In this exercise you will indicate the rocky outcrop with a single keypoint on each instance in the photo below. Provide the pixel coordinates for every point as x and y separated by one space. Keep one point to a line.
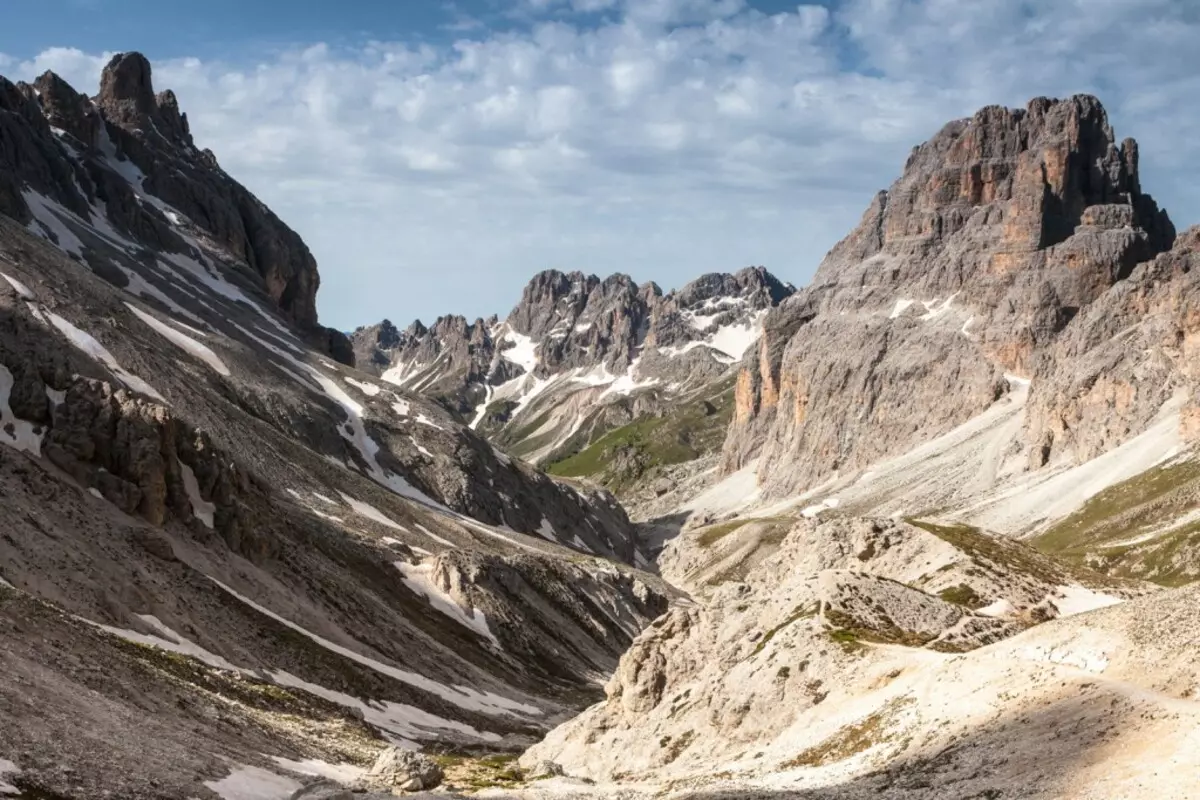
772 660
1001 229
126 160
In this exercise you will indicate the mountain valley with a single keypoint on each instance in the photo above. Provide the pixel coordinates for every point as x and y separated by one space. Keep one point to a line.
926 527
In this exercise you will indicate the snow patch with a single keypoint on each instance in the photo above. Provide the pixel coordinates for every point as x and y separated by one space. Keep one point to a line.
49 225
934 309
901 306
21 289
8 768
371 512
435 537
404 724
181 340
547 530
85 342
627 383
342 773
419 578
1074 599
368 389
1000 608
424 420
813 511
201 508
253 783
523 352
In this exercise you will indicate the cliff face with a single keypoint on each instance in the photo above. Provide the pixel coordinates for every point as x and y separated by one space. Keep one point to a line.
125 162
1000 230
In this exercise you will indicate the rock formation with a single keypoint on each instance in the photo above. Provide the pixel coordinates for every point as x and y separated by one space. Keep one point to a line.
1002 228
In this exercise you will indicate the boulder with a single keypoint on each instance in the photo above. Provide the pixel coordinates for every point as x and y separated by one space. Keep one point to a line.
404 770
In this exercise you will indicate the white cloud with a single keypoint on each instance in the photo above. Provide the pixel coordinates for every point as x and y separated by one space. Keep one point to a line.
658 137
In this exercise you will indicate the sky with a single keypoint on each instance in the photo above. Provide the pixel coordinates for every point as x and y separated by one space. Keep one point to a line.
435 155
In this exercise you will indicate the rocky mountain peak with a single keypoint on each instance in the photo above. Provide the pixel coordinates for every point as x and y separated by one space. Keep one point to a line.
127 90
753 284
578 352
77 168
999 231
66 108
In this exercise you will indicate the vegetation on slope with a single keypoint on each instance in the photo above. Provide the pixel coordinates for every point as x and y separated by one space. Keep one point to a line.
1146 527
636 452
1014 557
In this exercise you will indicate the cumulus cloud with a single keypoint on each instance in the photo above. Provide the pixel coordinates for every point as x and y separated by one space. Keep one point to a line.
663 138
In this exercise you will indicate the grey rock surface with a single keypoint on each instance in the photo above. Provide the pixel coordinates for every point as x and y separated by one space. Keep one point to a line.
99 158
404 770
1002 229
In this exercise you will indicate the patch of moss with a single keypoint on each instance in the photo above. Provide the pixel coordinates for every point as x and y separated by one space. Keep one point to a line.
709 536
1002 555
962 595
475 772
847 639
886 632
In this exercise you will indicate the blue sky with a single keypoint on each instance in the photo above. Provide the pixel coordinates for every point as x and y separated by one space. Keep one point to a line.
435 155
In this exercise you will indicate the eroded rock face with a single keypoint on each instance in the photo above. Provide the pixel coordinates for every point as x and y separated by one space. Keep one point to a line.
1121 359
97 158
1001 229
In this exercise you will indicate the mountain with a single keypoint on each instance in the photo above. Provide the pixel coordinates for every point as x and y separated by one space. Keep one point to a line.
908 532
125 164
224 551
1002 229
579 357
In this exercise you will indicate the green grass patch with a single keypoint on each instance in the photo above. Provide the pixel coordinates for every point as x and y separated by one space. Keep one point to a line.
1141 503
962 595
709 536
623 457
1009 555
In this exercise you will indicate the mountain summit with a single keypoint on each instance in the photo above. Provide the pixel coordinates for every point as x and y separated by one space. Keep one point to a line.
121 161
1002 228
